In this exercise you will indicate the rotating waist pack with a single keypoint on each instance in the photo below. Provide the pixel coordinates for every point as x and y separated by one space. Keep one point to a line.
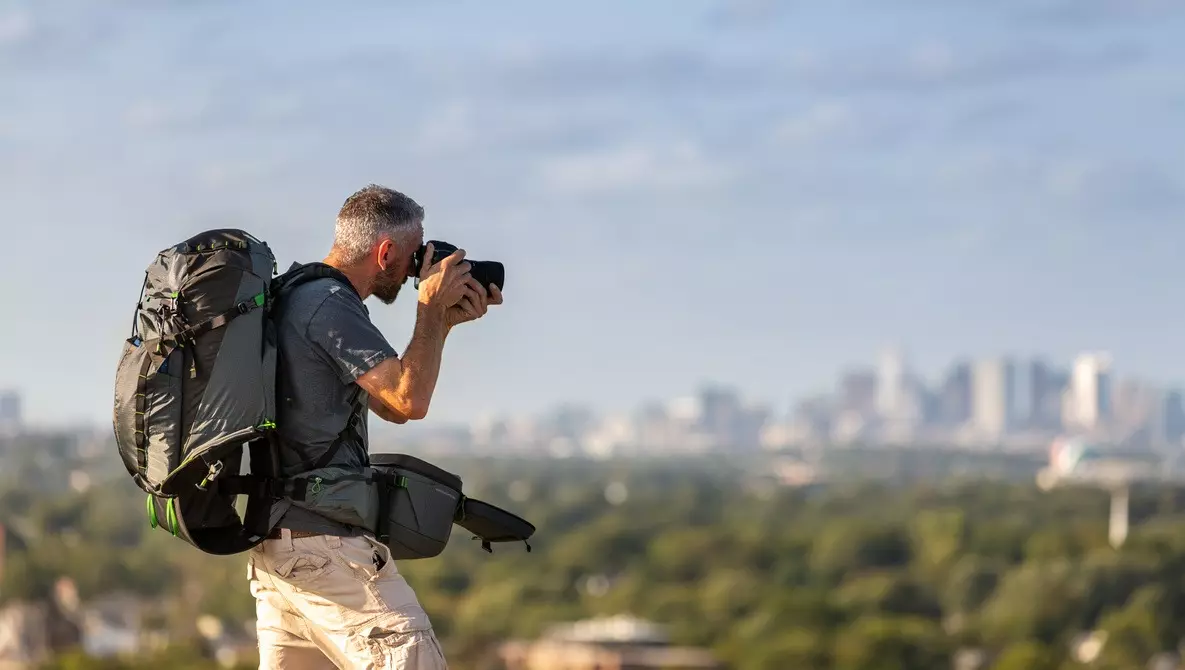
409 504
195 393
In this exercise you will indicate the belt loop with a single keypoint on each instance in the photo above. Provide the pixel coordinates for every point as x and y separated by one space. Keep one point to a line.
286 539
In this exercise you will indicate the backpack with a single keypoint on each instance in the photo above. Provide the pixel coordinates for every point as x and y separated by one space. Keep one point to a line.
195 393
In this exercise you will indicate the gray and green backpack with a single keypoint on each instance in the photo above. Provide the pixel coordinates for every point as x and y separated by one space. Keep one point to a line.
195 412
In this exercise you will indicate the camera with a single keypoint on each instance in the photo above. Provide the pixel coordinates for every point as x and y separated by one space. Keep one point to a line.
485 272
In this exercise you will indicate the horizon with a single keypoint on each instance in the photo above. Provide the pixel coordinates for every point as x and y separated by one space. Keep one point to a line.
930 380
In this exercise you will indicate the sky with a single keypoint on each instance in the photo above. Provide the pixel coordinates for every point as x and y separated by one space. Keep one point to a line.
753 193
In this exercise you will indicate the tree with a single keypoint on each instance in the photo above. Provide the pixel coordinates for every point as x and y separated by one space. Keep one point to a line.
877 643
1027 655
938 537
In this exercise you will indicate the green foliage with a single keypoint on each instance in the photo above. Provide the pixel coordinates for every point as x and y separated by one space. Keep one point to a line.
1026 655
850 576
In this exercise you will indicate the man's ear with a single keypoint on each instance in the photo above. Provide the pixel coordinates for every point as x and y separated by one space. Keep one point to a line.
385 255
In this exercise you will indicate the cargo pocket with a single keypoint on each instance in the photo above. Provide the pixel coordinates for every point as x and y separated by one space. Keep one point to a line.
301 569
410 646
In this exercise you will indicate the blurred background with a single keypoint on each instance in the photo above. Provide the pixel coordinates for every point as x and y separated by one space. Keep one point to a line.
837 334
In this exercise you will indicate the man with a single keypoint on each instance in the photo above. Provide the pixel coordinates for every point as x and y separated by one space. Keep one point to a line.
328 595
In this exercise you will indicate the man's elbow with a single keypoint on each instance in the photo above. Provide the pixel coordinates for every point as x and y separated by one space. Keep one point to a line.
417 410
410 409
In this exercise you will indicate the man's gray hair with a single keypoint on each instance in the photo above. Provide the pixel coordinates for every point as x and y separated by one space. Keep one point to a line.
369 215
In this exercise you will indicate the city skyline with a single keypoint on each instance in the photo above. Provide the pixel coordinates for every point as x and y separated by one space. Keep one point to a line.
975 400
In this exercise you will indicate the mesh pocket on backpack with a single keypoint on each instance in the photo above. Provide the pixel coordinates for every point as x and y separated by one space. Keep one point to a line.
147 412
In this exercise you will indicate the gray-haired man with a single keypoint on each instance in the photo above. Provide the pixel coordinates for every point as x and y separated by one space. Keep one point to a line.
327 594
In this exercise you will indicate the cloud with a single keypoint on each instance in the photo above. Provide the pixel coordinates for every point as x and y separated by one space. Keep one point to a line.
714 77
746 12
939 66
1065 12
1115 185
16 28
449 128
978 115
1060 13
633 168
822 121
36 37
1093 187
496 127
833 123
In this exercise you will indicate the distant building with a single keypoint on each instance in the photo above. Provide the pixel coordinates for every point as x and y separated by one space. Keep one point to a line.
620 643
813 417
1087 402
1171 424
954 397
857 393
11 419
900 399
890 388
1021 395
32 633
1137 412
231 646
1048 384
992 397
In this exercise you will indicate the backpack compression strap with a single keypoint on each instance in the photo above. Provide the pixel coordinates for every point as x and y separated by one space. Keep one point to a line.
191 333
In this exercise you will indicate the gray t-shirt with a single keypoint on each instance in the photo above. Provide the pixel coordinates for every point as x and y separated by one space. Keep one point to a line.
326 341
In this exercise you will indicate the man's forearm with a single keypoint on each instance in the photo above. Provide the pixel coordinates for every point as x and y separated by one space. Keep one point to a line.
421 361
385 412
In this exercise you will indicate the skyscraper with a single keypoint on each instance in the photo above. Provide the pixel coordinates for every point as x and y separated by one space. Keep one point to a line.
1088 405
954 400
1172 419
1048 384
10 411
858 392
890 383
898 398
1021 394
992 396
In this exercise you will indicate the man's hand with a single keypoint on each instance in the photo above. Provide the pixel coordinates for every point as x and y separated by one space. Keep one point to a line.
444 285
474 304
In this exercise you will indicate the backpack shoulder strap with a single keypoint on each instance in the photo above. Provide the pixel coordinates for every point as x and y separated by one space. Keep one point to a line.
299 274
350 431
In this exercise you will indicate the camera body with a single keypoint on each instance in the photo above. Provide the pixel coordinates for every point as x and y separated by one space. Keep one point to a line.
485 272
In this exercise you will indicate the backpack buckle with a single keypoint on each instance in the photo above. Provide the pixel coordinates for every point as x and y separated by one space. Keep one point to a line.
215 470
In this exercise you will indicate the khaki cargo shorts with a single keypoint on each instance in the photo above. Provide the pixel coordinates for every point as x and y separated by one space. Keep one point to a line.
327 602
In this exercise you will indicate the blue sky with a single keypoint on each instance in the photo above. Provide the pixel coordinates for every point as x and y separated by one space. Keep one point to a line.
752 192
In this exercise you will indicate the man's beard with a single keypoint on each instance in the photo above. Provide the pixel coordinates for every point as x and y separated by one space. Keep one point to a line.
387 285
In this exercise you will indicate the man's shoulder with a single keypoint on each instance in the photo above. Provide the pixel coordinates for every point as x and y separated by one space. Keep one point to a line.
305 300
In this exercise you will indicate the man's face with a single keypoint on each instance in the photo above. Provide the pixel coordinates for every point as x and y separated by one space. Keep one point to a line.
388 282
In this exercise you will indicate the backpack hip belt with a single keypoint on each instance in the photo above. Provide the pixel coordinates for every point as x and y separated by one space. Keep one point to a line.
408 504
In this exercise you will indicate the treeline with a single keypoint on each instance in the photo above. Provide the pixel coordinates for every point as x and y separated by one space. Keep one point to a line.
850 576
